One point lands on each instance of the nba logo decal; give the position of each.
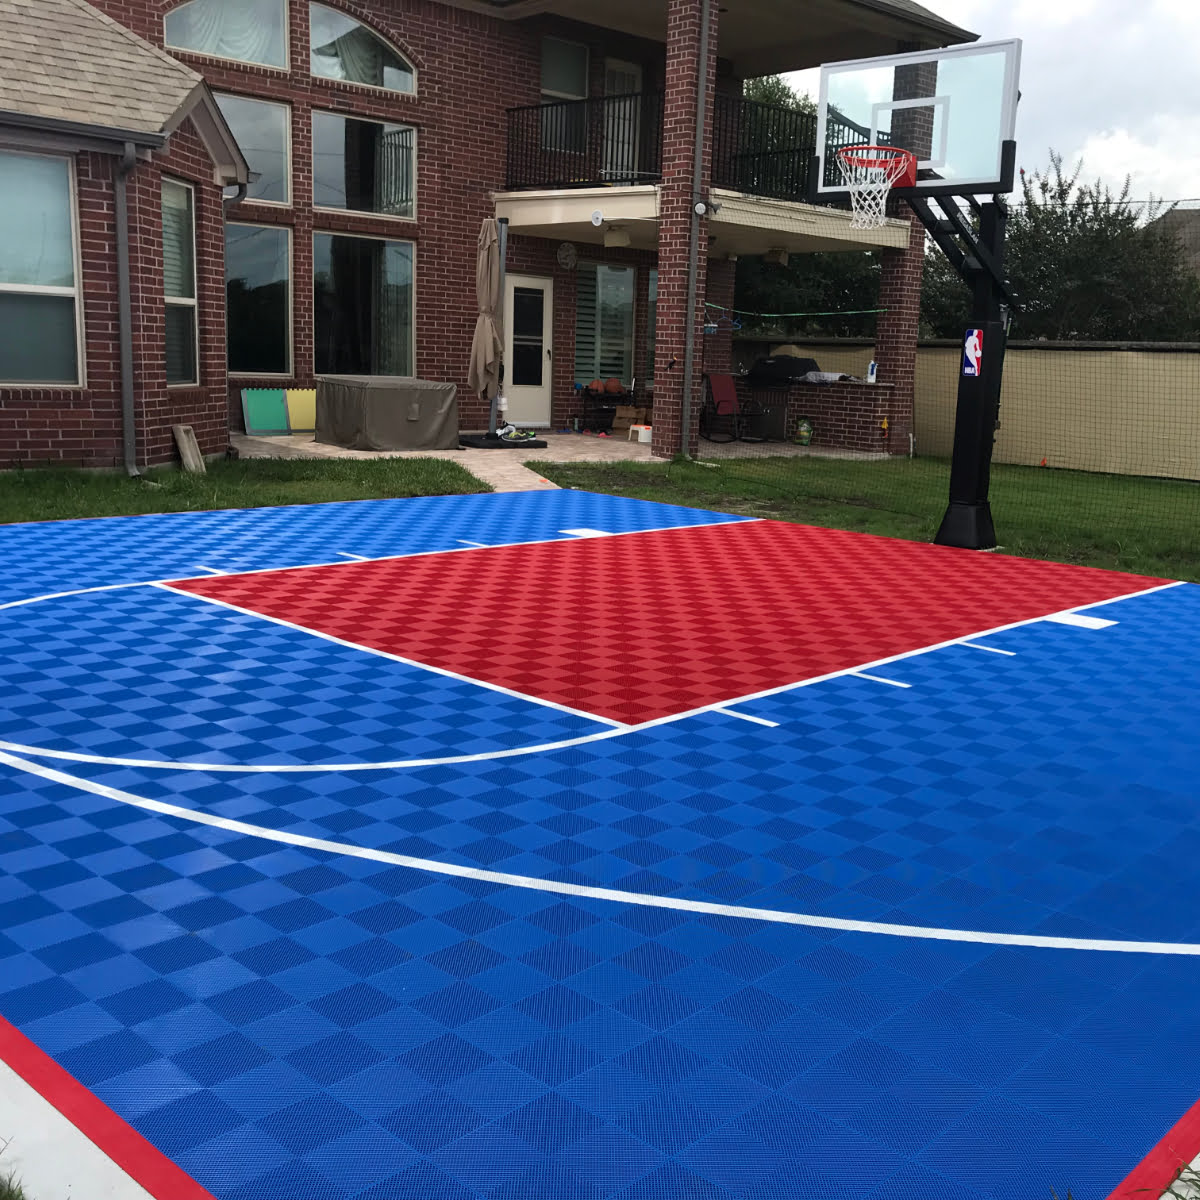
(973, 353)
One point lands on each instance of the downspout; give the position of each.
(125, 310)
(689, 344)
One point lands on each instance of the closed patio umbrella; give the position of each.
(487, 345)
(486, 369)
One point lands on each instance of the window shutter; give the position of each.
(586, 368)
(179, 272)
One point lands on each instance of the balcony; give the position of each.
(573, 159)
(616, 141)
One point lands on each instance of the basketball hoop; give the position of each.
(870, 173)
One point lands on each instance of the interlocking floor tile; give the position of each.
(285, 1022)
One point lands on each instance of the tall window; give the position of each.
(564, 78)
(604, 323)
(261, 129)
(343, 48)
(39, 335)
(365, 166)
(253, 31)
(363, 296)
(179, 281)
(258, 299)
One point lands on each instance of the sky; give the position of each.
(1114, 81)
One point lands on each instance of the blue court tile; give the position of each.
(57, 556)
(302, 1024)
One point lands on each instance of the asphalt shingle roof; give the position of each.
(65, 60)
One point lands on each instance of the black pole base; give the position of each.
(490, 441)
(968, 526)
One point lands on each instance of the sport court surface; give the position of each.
(535, 863)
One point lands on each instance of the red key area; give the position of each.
(645, 625)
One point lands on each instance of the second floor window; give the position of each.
(364, 166)
(564, 79)
(261, 129)
(343, 48)
(252, 31)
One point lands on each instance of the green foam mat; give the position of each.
(265, 410)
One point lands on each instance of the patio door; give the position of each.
(528, 349)
(622, 120)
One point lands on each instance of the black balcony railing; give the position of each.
(762, 149)
(611, 140)
(758, 149)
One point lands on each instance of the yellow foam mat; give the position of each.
(302, 409)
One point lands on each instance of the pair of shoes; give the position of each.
(510, 433)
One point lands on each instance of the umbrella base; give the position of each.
(491, 441)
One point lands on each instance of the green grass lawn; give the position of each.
(1147, 526)
(49, 495)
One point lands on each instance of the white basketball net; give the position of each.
(869, 173)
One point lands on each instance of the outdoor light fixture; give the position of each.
(615, 238)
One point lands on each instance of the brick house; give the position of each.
(378, 134)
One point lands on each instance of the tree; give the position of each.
(773, 89)
(843, 284)
(810, 283)
(1087, 264)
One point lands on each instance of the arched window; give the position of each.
(343, 48)
(253, 31)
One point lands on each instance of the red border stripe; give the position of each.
(1160, 1168)
(141, 1161)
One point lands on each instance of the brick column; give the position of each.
(897, 331)
(675, 216)
(718, 347)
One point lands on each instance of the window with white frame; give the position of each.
(262, 132)
(364, 166)
(39, 276)
(342, 48)
(564, 79)
(179, 281)
(252, 31)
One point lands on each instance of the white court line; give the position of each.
(516, 752)
(105, 587)
(112, 587)
(990, 649)
(615, 895)
(210, 570)
(477, 545)
(587, 533)
(408, 662)
(1080, 620)
(352, 557)
(879, 679)
(741, 716)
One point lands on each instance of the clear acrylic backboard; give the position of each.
(954, 108)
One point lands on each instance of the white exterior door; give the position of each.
(528, 349)
(622, 120)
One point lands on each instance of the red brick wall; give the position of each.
(718, 345)
(470, 68)
(82, 426)
(896, 333)
(845, 416)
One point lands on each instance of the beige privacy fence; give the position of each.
(1127, 409)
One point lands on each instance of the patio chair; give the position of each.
(720, 418)
(726, 418)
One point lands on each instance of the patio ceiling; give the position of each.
(741, 225)
(761, 37)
